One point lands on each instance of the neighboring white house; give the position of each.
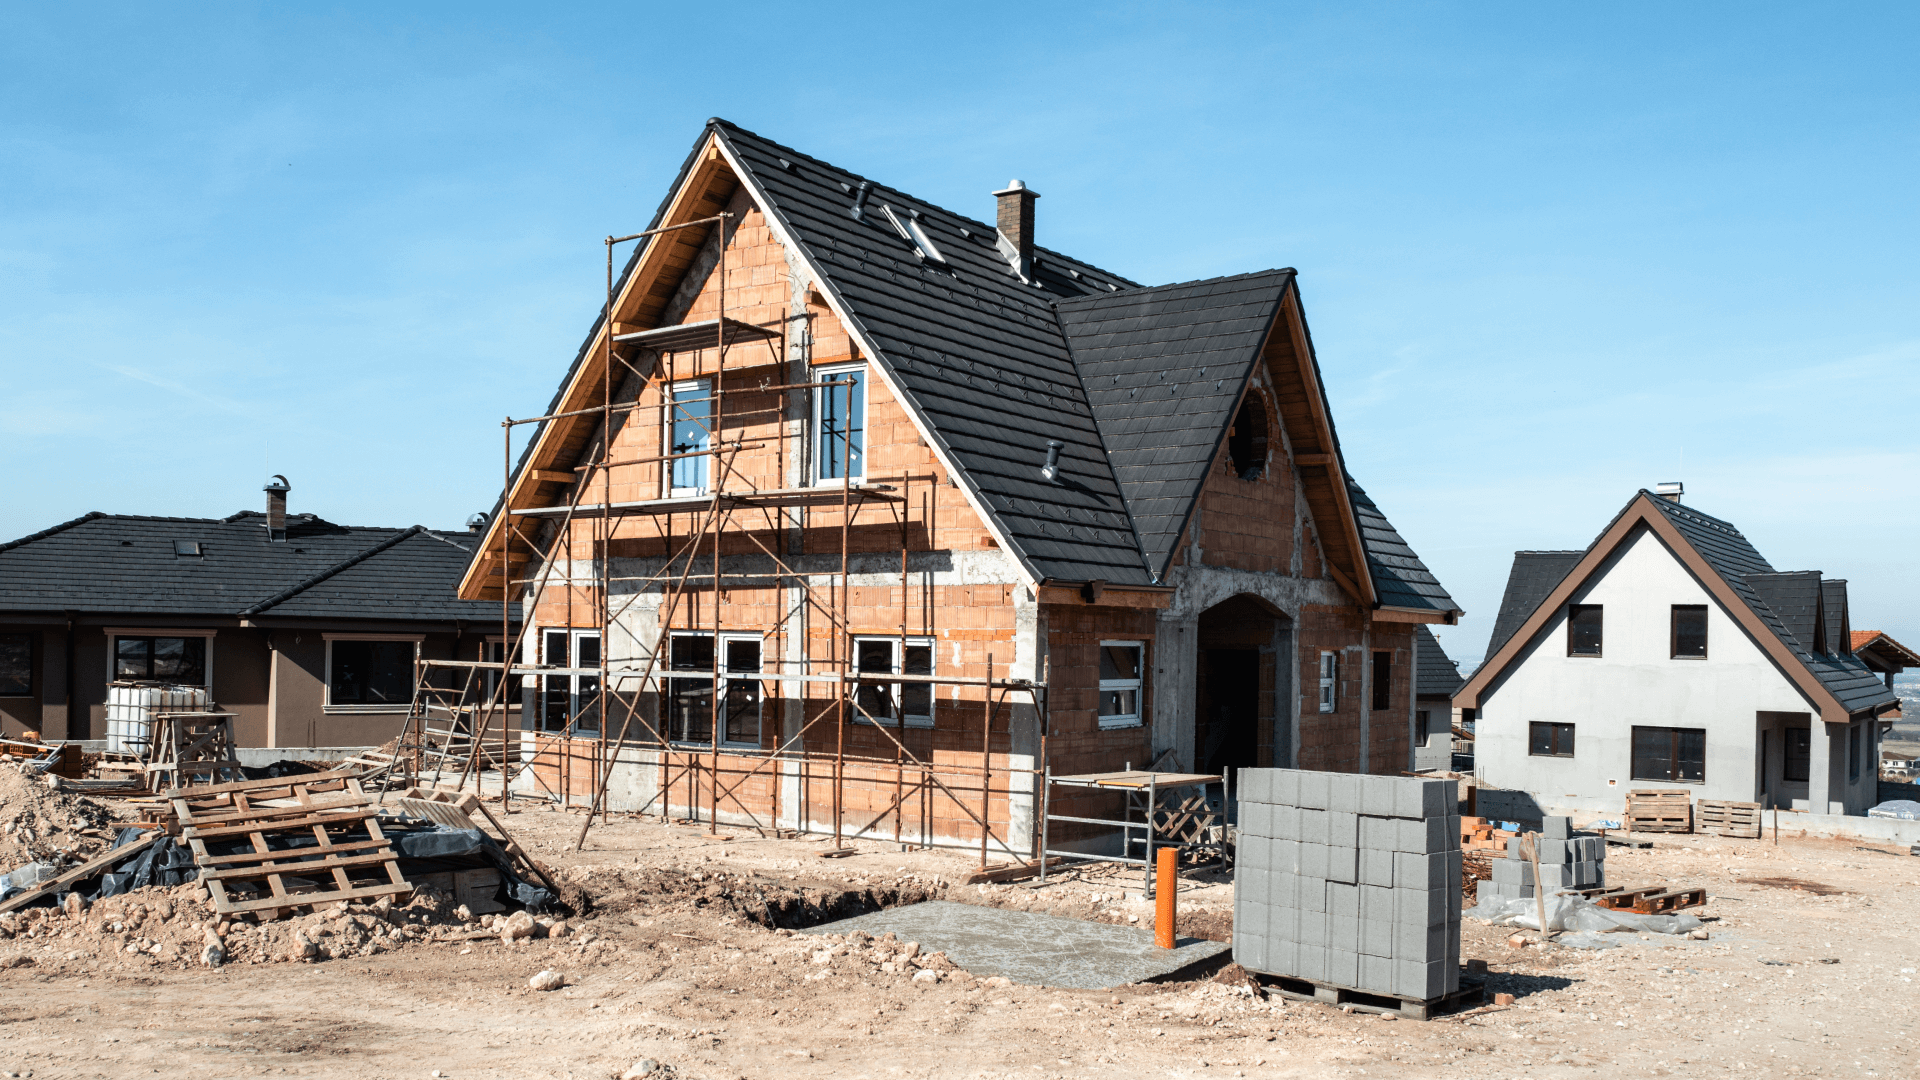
(1436, 677)
(1669, 654)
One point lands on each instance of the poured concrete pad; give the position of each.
(1039, 950)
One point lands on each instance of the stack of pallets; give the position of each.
(1740, 820)
(1659, 811)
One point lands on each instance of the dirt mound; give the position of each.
(38, 823)
(756, 898)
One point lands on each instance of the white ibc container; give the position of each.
(130, 712)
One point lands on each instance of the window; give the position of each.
(16, 665)
(1550, 740)
(570, 701)
(690, 421)
(1690, 631)
(1422, 727)
(371, 674)
(492, 651)
(894, 703)
(1853, 752)
(187, 549)
(1329, 681)
(1799, 756)
(1383, 680)
(840, 423)
(1675, 755)
(1121, 666)
(1247, 439)
(180, 660)
(1583, 629)
(690, 701)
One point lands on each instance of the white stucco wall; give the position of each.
(1637, 681)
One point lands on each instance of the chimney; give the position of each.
(477, 523)
(1670, 491)
(276, 490)
(1015, 226)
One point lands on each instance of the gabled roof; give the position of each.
(123, 564)
(993, 368)
(1730, 568)
(1892, 650)
(1400, 579)
(1435, 675)
(1533, 576)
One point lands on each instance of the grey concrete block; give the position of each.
(1256, 785)
(1379, 833)
(1555, 877)
(1410, 834)
(1310, 962)
(1343, 899)
(1376, 938)
(1414, 942)
(1283, 924)
(1506, 872)
(1282, 957)
(1551, 852)
(1343, 863)
(1407, 803)
(1555, 827)
(1310, 894)
(1376, 866)
(1343, 968)
(1283, 889)
(1285, 787)
(1284, 822)
(1376, 974)
(1377, 795)
(1440, 797)
(1343, 933)
(1420, 907)
(1454, 902)
(1313, 790)
(1312, 828)
(1452, 971)
(1456, 865)
(1313, 860)
(1252, 884)
(1343, 828)
(1513, 850)
(1443, 834)
(1284, 855)
(1256, 819)
(1250, 951)
(1343, 792)
(1376, 903)
(1313, 928)
(1252, 853)
(1412, 871)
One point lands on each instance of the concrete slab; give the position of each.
(1038, 950)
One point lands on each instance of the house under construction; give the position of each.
(855, 516)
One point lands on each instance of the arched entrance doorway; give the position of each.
(1238, 686)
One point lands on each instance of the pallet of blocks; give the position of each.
(1740, 820)
(269, 845)
(1659, 811)
(1567, 860)
(1347, 889)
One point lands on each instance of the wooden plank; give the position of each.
(254, 856)
(1013, 871)
(228, 907)
(346, 818)
(270, 784)
(333, 802)
(80, 873)
(299, 869)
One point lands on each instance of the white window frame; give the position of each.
(897, 661)
(115, 632)
(720, 646)
(489, 644)
(705, 388)
(863, 399)
(1329, 681)
(1137, 685)
(574, 636)
(326, 679)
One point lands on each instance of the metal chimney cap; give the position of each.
(1018, 187)
(477, 522)
(1670, 490)
(278, 483)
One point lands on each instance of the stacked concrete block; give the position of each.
(1349, 880)
(1567, 861)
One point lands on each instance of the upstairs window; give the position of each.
(1690, 631)
(1583, 629)
(1329, 681)
(180, 660)
(1122, 667)
(1382, 680)
(840, 424)
(690, 431)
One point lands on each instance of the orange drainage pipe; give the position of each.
(1167, 882)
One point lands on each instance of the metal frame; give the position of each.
(1143, 790)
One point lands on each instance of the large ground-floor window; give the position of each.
(371, 673)
(1798, 764)
(1671, 755)
(570, 700)
(16, 665)
(161, 658)
(909, 703)
(690, 701)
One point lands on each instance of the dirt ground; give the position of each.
(686, 958)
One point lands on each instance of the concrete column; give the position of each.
(1819, 768)
(1176, 660)
(1023, 720)
(1367, 674)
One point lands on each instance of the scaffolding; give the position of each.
(458, 703)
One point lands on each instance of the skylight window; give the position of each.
(187, 548)
(910, 231)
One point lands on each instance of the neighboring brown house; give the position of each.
(308, 630)
(1131, 496)
(1886, 658)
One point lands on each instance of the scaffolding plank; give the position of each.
(776, 499)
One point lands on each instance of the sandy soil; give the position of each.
(677, 962)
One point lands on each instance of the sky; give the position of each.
(1550, 254)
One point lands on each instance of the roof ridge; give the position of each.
(44, 533)
(295, 590)
(442, 539)
(1134, 293)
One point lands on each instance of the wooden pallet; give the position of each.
(1671, 900)
(456, 811)
(1740, 820)
(1346, 997)
(353, 859)
(1659, 811)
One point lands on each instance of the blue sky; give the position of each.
(1550, 254)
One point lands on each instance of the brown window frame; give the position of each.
(1382, 681)
(32, 642)
(1574, 611)
(1673, 632)
(1422, 727)
(1558, 730)
(1674, 773)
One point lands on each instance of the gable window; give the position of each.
(1422, 727)
(181, 660)
(690, 701)
(1329, 681)
(1583, 629)
(1673, 755)
(840, 424)
(1549, 739)
(16, 665)
(1122, 668)
(1247, 438)
(1799, 755)
(371, 673)
(1383, 680)
(1690, 631)
(690, 431)
(570, 700)
(909, 703)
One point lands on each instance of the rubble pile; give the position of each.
(38, 824)
(859, 952)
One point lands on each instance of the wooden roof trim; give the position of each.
(1641, 511)
(483, 571)
(1308, 372)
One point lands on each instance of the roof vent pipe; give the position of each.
(1050, 472)
(859, 210)
(476, 523)
(1670, 491)
(1014, 222)
(276, 490)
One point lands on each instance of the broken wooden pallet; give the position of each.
(1659, 811)
(1660, 903)
(350, 859)
(90, 868)
(1740, 820)
(456, 811)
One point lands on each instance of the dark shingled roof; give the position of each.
(1399, 577)
(126, 565)
(1436, 676)
(1534, 575)
(1836, 634)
